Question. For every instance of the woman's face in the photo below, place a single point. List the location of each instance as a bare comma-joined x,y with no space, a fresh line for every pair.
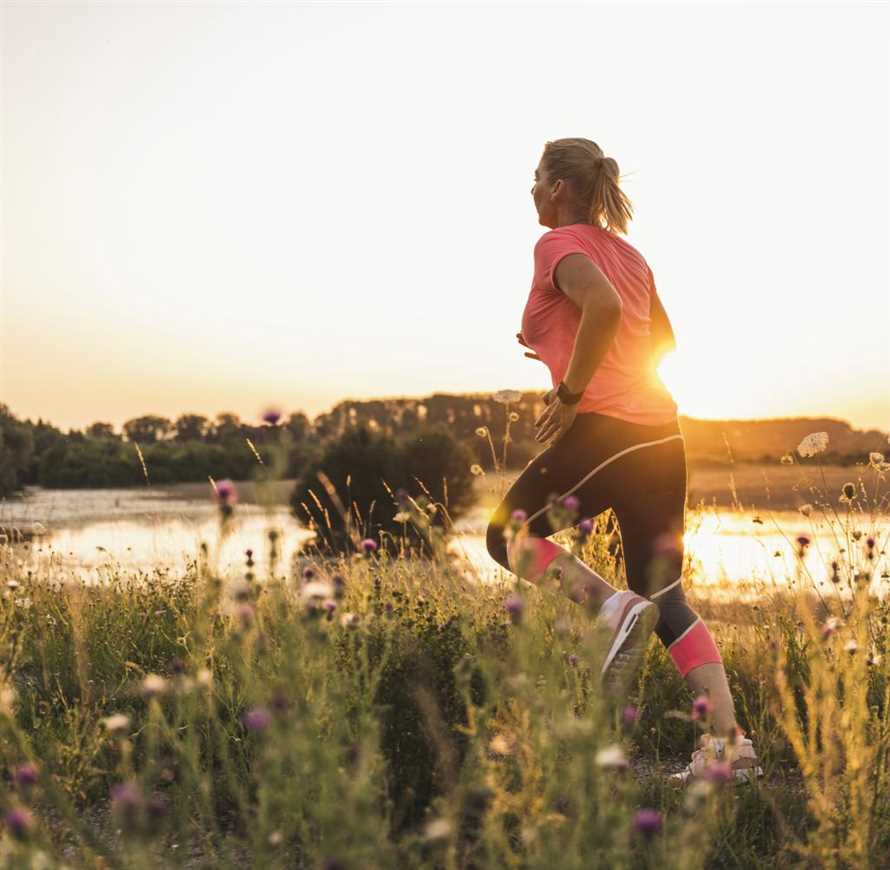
545,196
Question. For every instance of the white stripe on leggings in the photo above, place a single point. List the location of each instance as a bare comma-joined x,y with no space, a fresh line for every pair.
662,591
602,465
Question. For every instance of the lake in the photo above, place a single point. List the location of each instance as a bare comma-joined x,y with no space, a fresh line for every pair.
88,533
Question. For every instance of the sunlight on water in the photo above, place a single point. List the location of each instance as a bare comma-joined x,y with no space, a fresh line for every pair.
93,532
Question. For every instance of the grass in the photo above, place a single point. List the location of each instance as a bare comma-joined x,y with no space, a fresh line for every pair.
369,712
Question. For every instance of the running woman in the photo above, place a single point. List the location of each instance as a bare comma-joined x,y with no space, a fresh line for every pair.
612,437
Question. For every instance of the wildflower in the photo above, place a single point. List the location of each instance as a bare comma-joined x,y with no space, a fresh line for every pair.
404,516
350,620
25,775
647,822
501,744
611,758
803,542
851,646
369,545
271,416
249,553
514,605
832,624
339,585
519,516
308,574
330,606
245,614
816,442
506,397
573,660
437,829
126,802
19,822
514,417
835,573
116,722
257,719
153,685
12,584
806,509
631,715
316,589
873,659
876,460
476,470
571,503
482,431
585,527
719,771
702,707
226,492
787,459
870,543
848,492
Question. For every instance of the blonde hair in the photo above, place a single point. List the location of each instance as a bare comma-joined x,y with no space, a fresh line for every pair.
592,177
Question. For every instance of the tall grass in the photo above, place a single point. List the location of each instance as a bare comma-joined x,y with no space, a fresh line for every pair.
374,712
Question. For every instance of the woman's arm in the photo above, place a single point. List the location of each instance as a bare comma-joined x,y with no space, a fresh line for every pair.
661,332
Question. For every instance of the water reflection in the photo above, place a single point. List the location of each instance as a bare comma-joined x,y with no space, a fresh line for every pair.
732,554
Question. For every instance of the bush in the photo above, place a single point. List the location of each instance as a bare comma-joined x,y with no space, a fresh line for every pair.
375,479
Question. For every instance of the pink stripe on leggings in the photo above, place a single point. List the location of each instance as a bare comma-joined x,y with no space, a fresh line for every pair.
535,556
693,648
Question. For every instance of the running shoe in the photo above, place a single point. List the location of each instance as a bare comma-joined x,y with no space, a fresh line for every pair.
628,620
719,760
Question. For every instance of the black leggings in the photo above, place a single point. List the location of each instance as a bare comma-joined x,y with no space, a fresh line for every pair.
640,473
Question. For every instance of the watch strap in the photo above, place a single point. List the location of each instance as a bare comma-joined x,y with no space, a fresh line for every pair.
566,397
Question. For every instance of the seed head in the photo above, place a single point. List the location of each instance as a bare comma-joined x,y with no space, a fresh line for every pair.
226,492
271,416
369,545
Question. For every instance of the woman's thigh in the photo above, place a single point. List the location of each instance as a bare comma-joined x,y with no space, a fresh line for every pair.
589,462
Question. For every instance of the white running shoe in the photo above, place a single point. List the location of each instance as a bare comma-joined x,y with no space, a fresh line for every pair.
629,618
720,760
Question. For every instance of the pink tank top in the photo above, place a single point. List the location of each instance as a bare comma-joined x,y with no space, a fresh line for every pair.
625,384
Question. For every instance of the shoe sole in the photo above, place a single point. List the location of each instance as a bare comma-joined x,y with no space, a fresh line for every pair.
632,636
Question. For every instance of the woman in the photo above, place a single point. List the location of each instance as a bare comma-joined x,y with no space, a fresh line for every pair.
613,440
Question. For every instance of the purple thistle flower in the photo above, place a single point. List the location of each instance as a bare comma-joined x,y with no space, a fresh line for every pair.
647,822
257,719
702,707
369,545
571,503
19,822
573,660
226,492
126,802
719,771
870,543
519,516
271,416
631,715
330,606
25,775
514,605
803,541
246,615
586,526
308,573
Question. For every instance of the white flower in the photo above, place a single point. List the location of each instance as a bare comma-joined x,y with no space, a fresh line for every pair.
438,829
815,442
876,459
476,469
787,459
116,722
349,620
514,417
611,757
506,397
482,431
317,589
851,646
153,684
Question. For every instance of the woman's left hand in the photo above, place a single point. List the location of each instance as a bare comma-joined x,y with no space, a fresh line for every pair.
556,419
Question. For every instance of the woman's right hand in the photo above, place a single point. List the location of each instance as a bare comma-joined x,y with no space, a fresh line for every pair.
531,355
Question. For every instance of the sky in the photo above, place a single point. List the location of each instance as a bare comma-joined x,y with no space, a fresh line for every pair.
217,208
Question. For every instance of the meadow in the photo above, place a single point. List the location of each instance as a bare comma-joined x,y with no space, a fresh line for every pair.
380,711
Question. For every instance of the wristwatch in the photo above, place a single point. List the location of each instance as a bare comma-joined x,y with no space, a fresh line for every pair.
566,397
